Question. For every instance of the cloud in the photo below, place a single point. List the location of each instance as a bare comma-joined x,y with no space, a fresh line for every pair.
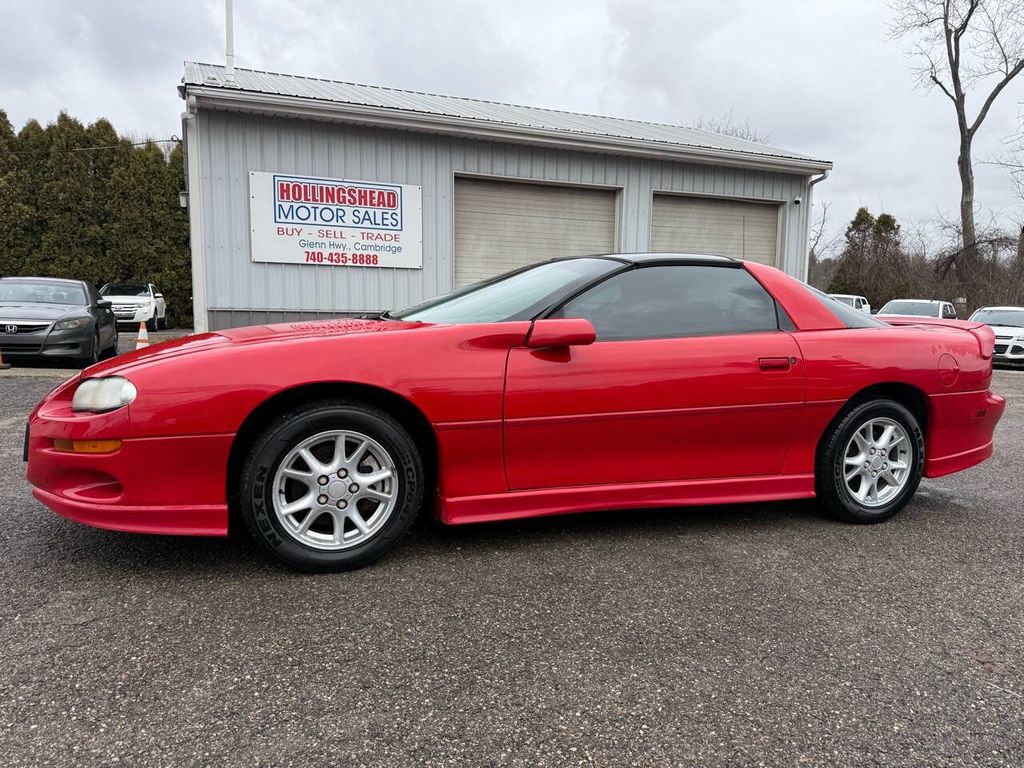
820,76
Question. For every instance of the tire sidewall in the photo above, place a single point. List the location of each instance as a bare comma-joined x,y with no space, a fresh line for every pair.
838,492
257,490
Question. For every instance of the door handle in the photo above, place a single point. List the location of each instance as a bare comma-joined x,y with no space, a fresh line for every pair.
775,363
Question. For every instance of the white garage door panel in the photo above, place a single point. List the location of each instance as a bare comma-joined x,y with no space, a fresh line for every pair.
724,227
504,225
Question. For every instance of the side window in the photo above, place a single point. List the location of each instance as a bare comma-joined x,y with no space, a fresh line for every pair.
948,311
672,301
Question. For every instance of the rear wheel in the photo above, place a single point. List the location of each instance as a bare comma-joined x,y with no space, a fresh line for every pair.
870,464
332,485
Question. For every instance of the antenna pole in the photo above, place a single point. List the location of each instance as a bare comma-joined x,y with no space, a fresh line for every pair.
229,41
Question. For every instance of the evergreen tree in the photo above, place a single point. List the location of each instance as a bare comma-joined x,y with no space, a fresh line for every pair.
83,202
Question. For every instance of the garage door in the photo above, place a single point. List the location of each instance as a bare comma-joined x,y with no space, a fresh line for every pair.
723,227
503,225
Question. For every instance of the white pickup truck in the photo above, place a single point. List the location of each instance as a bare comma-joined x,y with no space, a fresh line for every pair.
137,303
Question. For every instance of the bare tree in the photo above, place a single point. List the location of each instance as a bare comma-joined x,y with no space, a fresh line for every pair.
729,125
962,46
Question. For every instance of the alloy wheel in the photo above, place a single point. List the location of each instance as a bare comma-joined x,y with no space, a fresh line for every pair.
335,490
877,462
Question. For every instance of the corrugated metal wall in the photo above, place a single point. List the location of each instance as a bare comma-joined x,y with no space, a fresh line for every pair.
231,144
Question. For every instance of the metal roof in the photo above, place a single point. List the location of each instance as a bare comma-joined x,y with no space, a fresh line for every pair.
269,92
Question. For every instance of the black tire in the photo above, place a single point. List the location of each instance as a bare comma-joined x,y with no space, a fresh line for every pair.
112,350
151,324
161,323
830,486
284,433
95,354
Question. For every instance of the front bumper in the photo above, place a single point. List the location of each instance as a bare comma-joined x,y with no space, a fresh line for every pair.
1008,351
168,485
76,342
126,314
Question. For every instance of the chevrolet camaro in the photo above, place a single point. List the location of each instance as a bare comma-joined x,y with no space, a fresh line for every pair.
599,382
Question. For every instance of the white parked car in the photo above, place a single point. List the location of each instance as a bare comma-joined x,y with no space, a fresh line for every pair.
851,300
1008,324
137,303
920,308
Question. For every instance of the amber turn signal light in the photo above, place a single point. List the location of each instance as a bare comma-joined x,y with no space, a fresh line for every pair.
86,446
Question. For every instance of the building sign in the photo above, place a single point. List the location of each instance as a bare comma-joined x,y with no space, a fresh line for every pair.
335,222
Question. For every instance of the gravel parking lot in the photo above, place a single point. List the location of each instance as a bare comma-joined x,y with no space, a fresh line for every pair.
746,635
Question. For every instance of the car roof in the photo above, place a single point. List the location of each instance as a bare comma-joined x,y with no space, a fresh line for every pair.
848,295
54,280
923,301
1002,309
648,259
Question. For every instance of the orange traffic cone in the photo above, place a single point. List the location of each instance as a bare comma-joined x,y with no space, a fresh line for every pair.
3,366
143,341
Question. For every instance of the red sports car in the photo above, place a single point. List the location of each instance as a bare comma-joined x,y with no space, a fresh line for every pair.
598,382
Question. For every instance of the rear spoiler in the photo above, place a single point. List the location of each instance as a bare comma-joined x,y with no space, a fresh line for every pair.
984,334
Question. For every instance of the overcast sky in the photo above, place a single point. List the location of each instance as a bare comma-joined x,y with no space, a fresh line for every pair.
820,77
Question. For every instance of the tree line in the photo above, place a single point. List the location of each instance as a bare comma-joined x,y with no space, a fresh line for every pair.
875,259
79,201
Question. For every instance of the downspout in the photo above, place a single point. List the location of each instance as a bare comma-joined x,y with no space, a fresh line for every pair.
807,229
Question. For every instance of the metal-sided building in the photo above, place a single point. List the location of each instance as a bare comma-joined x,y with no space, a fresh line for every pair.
311,198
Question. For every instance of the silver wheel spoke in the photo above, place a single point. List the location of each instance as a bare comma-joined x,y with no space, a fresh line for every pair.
374,477
862,491
311,461
299,505
353,460
862,443
309,520
372,493
358,522
298,474
853,473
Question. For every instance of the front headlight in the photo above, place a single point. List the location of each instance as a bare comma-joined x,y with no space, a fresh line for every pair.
106,394
75,322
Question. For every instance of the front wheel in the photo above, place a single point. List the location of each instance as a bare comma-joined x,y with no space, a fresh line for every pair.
870,464
151,324
332,485
93,355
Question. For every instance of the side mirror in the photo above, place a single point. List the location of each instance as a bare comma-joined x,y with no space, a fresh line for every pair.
570,332
158,295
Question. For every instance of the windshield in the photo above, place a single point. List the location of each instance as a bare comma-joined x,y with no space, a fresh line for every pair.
1013,318
918,308
124,289
24,292
847,300
519,295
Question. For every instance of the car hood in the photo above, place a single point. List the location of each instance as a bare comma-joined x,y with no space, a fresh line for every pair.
127,299
30,310
256,334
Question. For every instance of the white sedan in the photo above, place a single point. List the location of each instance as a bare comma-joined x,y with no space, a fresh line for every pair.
1008,324
137,303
